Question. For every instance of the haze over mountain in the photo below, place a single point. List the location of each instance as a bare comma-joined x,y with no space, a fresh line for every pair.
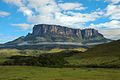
57,33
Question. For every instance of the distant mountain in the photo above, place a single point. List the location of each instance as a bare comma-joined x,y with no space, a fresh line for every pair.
57,33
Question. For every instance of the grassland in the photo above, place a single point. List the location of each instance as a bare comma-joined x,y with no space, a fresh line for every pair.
99,63
101,56
11,52
104,55
44,73
6,53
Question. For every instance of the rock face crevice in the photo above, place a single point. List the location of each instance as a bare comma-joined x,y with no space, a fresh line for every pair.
57,33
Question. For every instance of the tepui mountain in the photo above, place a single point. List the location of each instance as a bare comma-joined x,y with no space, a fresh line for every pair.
57,33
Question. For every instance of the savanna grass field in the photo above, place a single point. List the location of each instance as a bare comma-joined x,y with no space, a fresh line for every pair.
44,73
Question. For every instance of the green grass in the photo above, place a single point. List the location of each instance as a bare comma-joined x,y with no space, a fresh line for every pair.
53,57
43,73
108,49
106,61
11,52
57,50
104,55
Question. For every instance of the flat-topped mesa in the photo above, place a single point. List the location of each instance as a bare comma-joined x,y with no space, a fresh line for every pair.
44,29
57,33
54,29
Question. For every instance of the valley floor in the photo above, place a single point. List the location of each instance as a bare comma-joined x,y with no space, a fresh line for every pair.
44,73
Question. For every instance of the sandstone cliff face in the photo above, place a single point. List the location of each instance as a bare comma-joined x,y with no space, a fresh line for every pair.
43,29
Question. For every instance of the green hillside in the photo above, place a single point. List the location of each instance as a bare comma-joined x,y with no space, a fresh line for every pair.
104,55
108,49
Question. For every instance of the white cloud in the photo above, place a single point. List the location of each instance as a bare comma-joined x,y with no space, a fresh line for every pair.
110,29
50,12
22,7
23,26
111,33
16,2
26,11
45,10
38,3
71,6
4,14
109,25
113,11
65,19
43,6
78,18
113,1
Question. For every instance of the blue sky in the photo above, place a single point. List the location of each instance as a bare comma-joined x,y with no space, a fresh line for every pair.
17,17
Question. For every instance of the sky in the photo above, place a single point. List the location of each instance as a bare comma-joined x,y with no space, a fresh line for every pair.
17,17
